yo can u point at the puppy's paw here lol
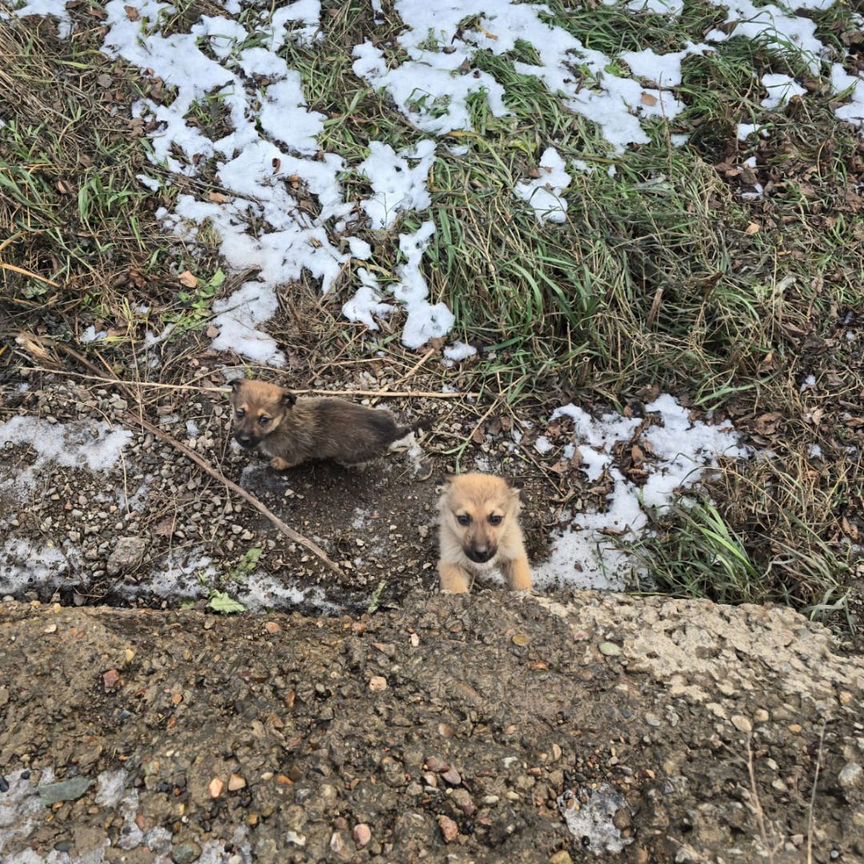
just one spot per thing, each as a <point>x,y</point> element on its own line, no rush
<point>280,464</point>
<point>454,580</point>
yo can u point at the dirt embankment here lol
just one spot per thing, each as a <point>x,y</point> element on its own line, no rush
<point>484,729</point>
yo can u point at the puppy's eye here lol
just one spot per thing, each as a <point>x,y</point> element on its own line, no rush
<point>464,519</point>
<point>239,413</point>
<point>495,519</point>
<point>263,421</point>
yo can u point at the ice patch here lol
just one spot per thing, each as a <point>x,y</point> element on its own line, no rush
<point>781,88</point>
<point>676,453</point>
<point>545,193</point>
<point>90,335</point>
<point>83,444</point>
<point>366,303</point>
<point>396,186</point>
<point>594,818</point>
<point>54,8</point>
<point>425,320</point>
<point>459,351</point>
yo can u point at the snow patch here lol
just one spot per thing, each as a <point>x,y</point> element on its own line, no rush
<point>677,452</point>
<point>546,193</point>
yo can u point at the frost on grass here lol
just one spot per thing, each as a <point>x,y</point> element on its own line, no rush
<point>86,444</point>
<point>545,193</point>
<point>676,452</point>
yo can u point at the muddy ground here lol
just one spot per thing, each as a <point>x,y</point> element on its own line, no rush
<point>377,523</point>
<point>489,729</point>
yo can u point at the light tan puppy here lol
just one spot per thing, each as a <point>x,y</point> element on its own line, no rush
<point>479,531</point>
<point>291,431</point>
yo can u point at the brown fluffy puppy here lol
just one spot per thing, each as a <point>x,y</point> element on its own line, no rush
<point>291,430</point>
<point>478,531</point>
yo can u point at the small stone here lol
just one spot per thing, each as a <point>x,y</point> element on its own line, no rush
<point>795,728</point>
<point>236,783</point>
<point>446,730</point>
<point>216,787</point>
<point>449,829</point>
<point>295,839</point>
<point>609,649</point>
<point>362,834</point>
<point>51,628</point>
<point>110,680</point>
<point>845,697</point>
<point>185,853</point>
<point>415,640</point>
<point>462,799</point>
<point>741,723</point>
<point>127,555</point>
<point>67,790</point>
<point>339,847</point>
<point>377,683</point>
<point>562,857</point>
<point>556,752</point>
<point>652,719</point>
<point>272,628</point>
<point>521,639</point>
<point>851,776</point>
<point>452,777</point>
<point>761,716</point>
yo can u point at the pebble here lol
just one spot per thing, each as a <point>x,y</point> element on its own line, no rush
<point>216,787</point>
<point>652,719</point>
<point>851,776</point>
<point>741,723</point>
<point>452,777</point>
<point>609,649</point>
<point>362,834</point>
<point>67,790</point>
<point>449,829</point>
<point>562,857</point>
<point>377,683</point>
<point>186,853</point>
<point>236,782</point>
<point>272,628</point>
<point>761,716</point>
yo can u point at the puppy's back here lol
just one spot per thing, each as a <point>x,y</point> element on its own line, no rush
<point>352,433</point>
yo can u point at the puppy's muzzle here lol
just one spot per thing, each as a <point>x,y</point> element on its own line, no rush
<point>480,554</point>
<point>244,440</point>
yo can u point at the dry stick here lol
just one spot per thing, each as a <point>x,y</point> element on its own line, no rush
<point>21,271</point>
<point>205,466</point>
<point>155,385</point>
<point>810,819</point>
<point>757,803</point>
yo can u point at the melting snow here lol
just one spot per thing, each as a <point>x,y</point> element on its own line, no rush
<point>545,194</point>
<point>781,88</point>
<point>73,445</point>
<point>678,451</point>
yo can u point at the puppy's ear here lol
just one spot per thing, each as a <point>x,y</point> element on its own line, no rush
<point>288,399</point>
<point>516,485</point>
<point>235,384</point>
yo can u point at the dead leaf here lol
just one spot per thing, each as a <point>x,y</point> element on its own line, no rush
<point>132,13</point>
<point>187,280</point>
<point>753,228</point>
<point>648,99</point>
<point>849,529</point>
<point>104,80</point>
<point>767,423</point>
<point>815,416</point>
<point>218,198</point>
<point>212,331</point>
<point>478,435</point>
<point>637,455</point>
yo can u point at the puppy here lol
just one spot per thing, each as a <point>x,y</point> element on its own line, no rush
<point>291,431</point>
<point>478,531</point>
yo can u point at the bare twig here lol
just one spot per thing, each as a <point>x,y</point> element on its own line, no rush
<point>400,394</point>
<point>810,820</point>
<point>30,275</point>
<point>757,803</point>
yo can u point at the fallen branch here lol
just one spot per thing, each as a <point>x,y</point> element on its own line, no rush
<point>155,385</point>
<point>37,346</point>
<point>250,499</point>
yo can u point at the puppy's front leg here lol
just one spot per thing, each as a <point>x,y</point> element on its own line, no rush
<point>518,573</point>
<point>454,580</point>
<point>281,464</point>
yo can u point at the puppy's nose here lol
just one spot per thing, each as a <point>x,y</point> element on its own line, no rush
<point>480,554</point>
<point>243,440</point>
